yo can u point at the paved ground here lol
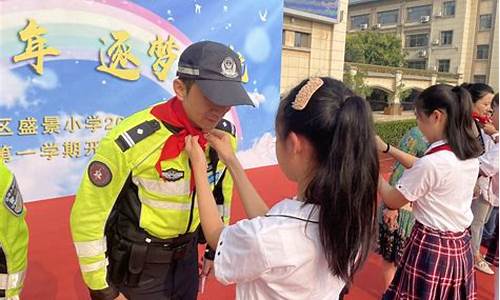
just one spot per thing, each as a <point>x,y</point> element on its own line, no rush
<point>379,116</point>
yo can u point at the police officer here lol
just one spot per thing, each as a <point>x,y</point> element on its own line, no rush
<point>135,221</point>
<point>13,237</point>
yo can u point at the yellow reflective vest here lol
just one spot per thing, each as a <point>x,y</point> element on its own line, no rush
<point>167,207</point>
<point>13,236</point>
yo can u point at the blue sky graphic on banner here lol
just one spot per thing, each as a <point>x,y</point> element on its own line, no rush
<point>104,60</point>
<point>325,8</point>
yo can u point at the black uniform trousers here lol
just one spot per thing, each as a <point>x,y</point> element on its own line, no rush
<point>177,280</point>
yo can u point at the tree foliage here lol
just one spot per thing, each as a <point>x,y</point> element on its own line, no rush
<point>375,48</point>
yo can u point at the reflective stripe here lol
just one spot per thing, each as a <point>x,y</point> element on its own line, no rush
<point>223,210</point>
<point>167,205</point>
<point>128,139</point>
<point>95,266</point>
<point>12,281</point>
<point>187,70</point>
<point>92,248</point>
<point>161,187</point>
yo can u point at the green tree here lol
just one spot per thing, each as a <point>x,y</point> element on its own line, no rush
<point>375,48</point>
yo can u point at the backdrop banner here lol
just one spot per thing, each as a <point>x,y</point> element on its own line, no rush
<point>72,70</point>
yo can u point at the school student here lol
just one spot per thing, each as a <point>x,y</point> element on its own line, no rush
<point>311,245</point>
<point>484,200</point>
<point>438,261</point>
<point>488,164</point>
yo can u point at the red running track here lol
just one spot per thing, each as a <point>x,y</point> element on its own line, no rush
<point>53,268</point>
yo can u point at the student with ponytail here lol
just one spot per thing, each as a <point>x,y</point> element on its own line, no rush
<point>311,245</point>
<point>437,262</point>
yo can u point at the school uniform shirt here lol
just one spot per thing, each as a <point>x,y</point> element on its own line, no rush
<point>278,256</point>
<point>488,184</point>
<point>441,187</point>
<point>488,163</point>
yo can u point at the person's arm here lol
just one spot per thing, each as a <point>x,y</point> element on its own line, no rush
<point>253,204</point>
<point>392,198</point>
<point>13,234</point>
<point>407,160</point>
<point>488,162</point>
<point>100,186</point>
<point>210,219</point>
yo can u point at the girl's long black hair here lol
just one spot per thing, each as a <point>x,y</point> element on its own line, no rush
<point>457,103</point>
<point>339,125</point>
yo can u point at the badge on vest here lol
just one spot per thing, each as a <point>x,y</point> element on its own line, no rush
<point>99,174</point>
<point>172,174</point>
<point>13,199</point>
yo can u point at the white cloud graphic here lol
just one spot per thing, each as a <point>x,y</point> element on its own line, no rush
<point>258,36</point>
<point>41,179</point>
<point>48,81</point>
<point>262,153</point>
<point>13,89</point>
<point>257,98</point>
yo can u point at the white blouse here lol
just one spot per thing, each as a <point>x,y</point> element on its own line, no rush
<point>441,188</point>
<point>488,163</point>
<point>278,256</point>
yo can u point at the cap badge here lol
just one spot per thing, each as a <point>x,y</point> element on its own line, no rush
<point>229,68</point>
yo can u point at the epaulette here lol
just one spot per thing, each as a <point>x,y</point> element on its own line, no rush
<point>133,136</point>
<point>226,126</point>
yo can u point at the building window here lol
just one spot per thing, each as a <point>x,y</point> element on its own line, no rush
<point>414,14</point>
<point>417,40</point>
<point>388,17</point>
<point>446,37</point>
<point>283,38</point>
<point>479,79</point>
<point>302,40</point>
<point>482,51</point>
<point>417,64</point>
<point>485,22</point>
<point>449,8</point>
<point>444,65</point>
<point>359,21</point>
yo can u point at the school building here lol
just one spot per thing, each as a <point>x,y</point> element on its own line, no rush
<point>446,36</point>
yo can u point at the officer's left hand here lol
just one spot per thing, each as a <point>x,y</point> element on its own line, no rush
<point>208,267</point>
<point>195,153</point>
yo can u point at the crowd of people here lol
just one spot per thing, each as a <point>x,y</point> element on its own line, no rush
<point>161,183</point>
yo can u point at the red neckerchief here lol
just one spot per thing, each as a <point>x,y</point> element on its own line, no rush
<point>443,147</point>
<point>484,119</point>
<point>173,113</point>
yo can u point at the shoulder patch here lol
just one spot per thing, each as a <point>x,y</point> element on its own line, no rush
<point>13,199</point>
<point>99,174</point>
<point>133,136</point>
<point>226,126</point>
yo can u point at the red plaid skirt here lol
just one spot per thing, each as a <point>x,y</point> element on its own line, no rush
<point>435,265</point>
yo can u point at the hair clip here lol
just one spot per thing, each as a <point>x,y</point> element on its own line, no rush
<point>306,92</point>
